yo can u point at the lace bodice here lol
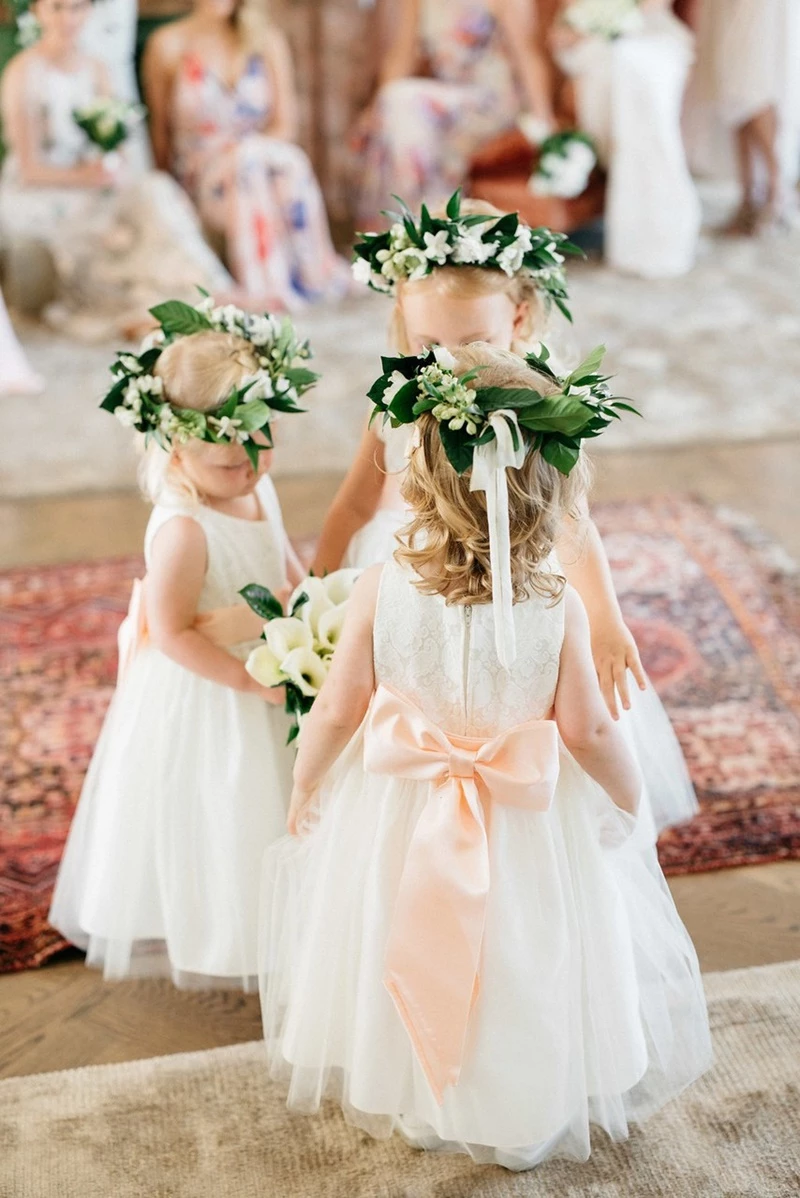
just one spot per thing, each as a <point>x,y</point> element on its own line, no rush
<point>239,551</point>
<point>443,657</point>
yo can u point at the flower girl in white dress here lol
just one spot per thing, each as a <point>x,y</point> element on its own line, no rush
<point>190,778</point>
<point>463,944</point>
<point>481,285</point>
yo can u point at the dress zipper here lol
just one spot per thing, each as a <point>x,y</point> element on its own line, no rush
<point>467,641</point>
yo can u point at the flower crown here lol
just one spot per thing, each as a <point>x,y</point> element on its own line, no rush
<point>137,397</point>
<point>411,250</point>
<point>553,424</point>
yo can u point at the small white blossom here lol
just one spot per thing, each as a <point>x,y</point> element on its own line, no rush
<point>398,238</point>
<point>471,248</point>
<point>437,246</point>
<point>412,264</point>
<point>126,416</point>
<point>362,271</point>
<point>510,259</point>
<point>444,358</point>
<point>205,305</point>
<point>130,363</point>
<point>262,330</point>
<point>227,426</point>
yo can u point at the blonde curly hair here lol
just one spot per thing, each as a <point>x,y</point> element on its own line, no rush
<point>468,282</point>
<point>199,372</point>
<point>446,542</point>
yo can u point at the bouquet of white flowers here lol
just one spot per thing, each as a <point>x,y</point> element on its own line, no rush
<point>608,19</point>
<point>300,642</point>
<point>108,122</point>
<point>566,160</point>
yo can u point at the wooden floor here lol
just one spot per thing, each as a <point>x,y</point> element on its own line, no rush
<point>63,1015</point>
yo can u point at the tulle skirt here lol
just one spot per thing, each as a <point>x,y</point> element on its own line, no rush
<point>590,1010</point>
<point>668,787</point>
<point>188,786</point>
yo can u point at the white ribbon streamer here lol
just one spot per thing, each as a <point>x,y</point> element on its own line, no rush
<point>489,465</point>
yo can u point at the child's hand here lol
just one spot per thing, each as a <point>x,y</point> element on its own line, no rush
<point>614,652</point>
<point>300,808</point>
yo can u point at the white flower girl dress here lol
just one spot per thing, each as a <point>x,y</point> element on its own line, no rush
<point>189,784</point>
<point>485,966</point>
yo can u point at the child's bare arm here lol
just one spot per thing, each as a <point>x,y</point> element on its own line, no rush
<point>585,564</point>
<point>174,581</point>
<point>583,720</point>
<point>342,703</point>
<point>355,503</point>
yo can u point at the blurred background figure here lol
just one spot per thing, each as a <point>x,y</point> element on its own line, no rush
<point>746,98</point>
<point>223,118</point>
<point>116,241</point>
<point>16,376</point>
<point>629,90</point>
<point>458,72</point>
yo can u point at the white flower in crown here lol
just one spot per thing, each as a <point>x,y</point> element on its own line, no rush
<point>510,258</point>
<point>228,427</point>
<point>396,383</point>
<point>437,246</point>
<point>228,318</point>
<point>262,330</point>
<point>399,238</point>
<point>205,305</point>
<point>126,416</point>
<point>390,265</point>
<point>412,264</point>
<point>131,364</point>
<point>148,384</point>
<point>259,386</point>
<point>444,358</point>
<point>471,248</point>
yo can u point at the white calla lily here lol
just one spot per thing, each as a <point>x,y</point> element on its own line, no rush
<point>444,358</point>
<point>264,666</point>
<point>317,602</point>
<point>287,633</point>
<point>331,624</point>
<point>306,670</point>
<point>339,584</point>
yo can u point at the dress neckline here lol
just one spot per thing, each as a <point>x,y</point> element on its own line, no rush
<point>193,59</point>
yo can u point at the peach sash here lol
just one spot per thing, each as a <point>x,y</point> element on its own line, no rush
<point>434,947</point>
<point>223,626</point>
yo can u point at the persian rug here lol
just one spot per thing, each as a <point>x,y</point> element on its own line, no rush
<point>211,1125</point>
<point>713,604</point>
<point>675,355</point>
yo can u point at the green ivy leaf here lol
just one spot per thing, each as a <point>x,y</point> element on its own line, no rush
<point>402,405</point>
<point>254,415</point>
<point>454,205</point>
<point>179,319</point>
<point>114,397</point>
<point>563,457</point>
<point>588,366</point>
<point>458,448</point>
<point>252,450</point>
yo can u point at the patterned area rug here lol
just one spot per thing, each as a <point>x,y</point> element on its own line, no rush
<point>212,1125</point>
<point>713,604</point>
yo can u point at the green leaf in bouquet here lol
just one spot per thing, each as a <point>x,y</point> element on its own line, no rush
<point>589,365</point>
<point>262,601</point>
<point>301,600</point>
<point>454,205</point>
<point>253,415</point>
<point>402,405</point>
<point>300,377</point>
<point>114,397</point>
<point>459,449</point>
<point>560,454</point>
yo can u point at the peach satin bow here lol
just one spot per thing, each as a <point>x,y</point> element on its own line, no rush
<point>434,947</point>
<point>223,626</point>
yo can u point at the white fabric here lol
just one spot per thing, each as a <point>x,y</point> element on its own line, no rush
<point>590,1007</point>
<point>189,783</point>
<point>748,59</point>
<point>110,35</point>
<point>629,96</point>
<point>16,376</point>
<point>489,465</point>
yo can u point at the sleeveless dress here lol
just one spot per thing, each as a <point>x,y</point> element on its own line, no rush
<point>629,96</point>
<point>116,252</point>
<point>189,783</point>
<point>419,136</point>
<point>258,192</point>
<point>588,1005</point>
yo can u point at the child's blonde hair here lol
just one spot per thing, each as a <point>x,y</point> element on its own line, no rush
<point>447,540</point>
<point>467,282</point>
<point>199,372</point>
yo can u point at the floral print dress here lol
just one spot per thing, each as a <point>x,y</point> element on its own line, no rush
<point>421,133</point>
<point>258,192</point>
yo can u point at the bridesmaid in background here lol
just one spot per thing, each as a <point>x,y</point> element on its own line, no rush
<point>16,376</point>
<point>483,69</point>
<point>220,89</point>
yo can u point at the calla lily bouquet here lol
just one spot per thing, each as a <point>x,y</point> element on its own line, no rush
<point>299,642</point>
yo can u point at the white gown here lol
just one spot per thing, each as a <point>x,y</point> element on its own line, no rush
<point>189,783</point>
<point>670,794</point>
<point>629,95</point>
<point>116,251</point>
<point>590,1006</point>
<point>16,376</point>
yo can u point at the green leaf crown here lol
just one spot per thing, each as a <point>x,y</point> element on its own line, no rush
<point>555,425</point>
<point>137,396</point>
<point>411,249</point>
